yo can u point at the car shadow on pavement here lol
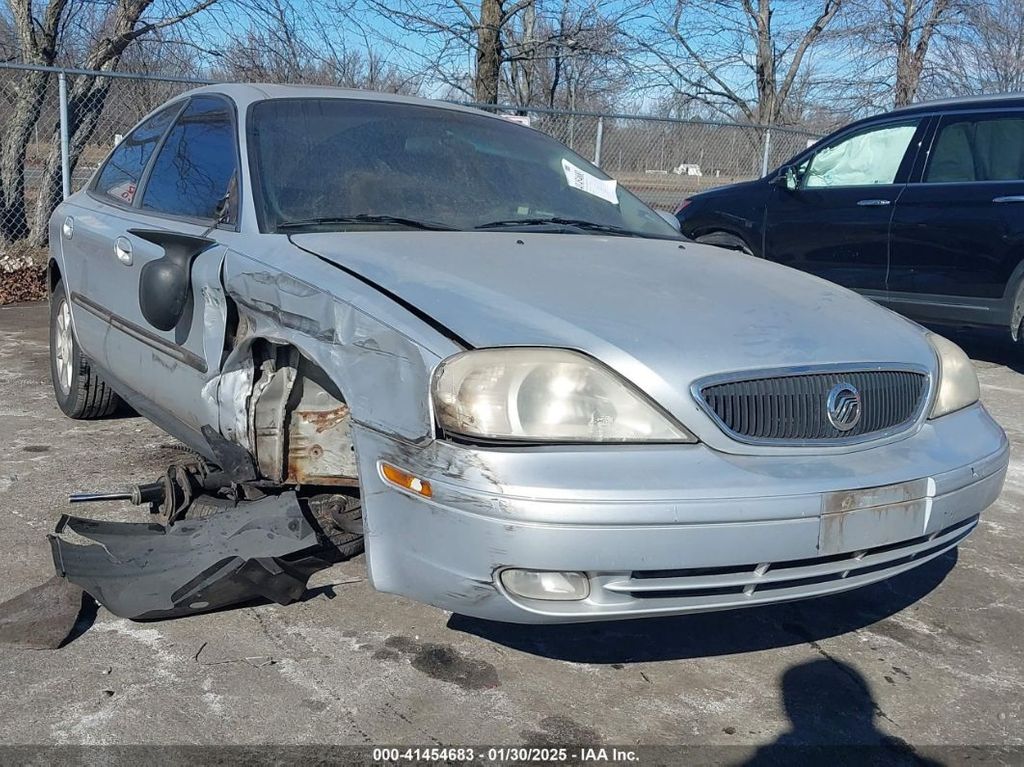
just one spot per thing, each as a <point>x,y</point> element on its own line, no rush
<point>718,633</point>
<point>833,720</point>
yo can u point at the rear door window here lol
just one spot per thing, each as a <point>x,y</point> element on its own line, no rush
<point>977,148</point>
<point>194,173</point>
<point>123,170</point>
<point>870,157</point>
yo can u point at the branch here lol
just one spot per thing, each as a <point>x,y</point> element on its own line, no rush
<point>828,12</point>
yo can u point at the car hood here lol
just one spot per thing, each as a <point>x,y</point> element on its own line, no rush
<point>660,312</point>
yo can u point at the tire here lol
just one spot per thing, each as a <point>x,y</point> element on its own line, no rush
<point>340,519</point>
<point>80,392</point>
<point>725,240</point>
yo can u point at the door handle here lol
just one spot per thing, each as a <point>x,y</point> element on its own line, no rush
<point>873,203</point>
<point>1010,198</point>
<point>123,250</point>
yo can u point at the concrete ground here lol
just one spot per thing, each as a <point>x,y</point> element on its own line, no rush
<point>933,657</point>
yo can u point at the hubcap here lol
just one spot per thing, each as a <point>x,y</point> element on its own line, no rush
<point>64,347</point>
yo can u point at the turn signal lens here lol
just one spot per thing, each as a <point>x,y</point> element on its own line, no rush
<point>405,480</point>
<point>537,584</point>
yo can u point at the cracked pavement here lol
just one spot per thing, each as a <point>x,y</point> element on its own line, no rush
<point>935,656</point>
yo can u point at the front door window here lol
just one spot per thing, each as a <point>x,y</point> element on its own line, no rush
<point>868,158</point>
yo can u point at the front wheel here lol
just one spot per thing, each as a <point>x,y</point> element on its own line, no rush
<point>79,391</point>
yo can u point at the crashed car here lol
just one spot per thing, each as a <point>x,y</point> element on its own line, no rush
<point>544,403</point>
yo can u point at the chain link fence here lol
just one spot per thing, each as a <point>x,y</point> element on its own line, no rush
<point>44,157</point>
<point>664,160</point>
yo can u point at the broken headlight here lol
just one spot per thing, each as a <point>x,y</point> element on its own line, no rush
<point>545,395</point>
<point>958,382</point>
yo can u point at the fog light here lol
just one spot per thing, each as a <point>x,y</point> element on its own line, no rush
<point>537,584</point>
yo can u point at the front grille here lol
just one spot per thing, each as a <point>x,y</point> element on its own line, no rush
<point>793,408</point>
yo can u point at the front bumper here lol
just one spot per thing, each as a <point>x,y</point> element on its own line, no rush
<point>671,529</point>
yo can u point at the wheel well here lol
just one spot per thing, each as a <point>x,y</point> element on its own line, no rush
<point>1014,296</point>
<point>300,423</point>
<point>724,239</point>
<point>52,275</point>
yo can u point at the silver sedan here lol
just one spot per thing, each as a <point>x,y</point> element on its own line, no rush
<point>419,328</point>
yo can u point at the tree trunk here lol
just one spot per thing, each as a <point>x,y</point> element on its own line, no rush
<point>28,103</point>
<point>907,74</point>
<point>767,108</point>
<point>908,77</point>
<point>86,99</point>
<point>488,52</point>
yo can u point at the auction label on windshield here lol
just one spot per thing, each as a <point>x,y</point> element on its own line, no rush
<point>579,179</point>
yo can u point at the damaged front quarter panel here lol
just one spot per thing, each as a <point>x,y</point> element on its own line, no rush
<point>265,548</point>
<point>380,367</point>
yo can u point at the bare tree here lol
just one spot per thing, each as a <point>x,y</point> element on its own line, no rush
<point>988,55</point>
<point>572,60</point>
<point>124,23</point>
<point>458,28</point>
<point>898,38</point>
<point>36,40</point>
<point>284,44</point>
<point>742,59</point>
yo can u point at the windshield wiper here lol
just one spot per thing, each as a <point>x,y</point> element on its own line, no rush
<point>577,223</point>
<point>367,218</point>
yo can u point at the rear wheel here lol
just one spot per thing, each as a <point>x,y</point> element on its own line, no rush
<point>79,391</point>
<point>725,240</point>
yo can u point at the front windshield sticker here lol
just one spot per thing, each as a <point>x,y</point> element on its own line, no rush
<point>580,179</point>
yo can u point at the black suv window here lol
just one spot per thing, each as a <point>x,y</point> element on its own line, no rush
<point>121,173</point>
<point>194,172</point>
<point>978,148</point>
<point>868,157</point>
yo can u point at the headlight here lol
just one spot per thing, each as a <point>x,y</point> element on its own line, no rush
<point>958,382</point>
<point>544,395</point>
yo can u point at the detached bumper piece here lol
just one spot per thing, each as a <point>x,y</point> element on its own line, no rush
<point>259,549</point>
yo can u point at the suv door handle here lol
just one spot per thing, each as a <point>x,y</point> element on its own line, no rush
<point>123,250</point>
<point>873,203</point>
<point>1010,198</point>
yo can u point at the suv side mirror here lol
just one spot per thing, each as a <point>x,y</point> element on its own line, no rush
<point>786,178</point>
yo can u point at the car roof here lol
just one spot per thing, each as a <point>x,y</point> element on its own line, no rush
<point>244,94</point>
<point>995,101</point>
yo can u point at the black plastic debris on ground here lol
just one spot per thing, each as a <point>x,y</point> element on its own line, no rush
<point>260,549</point>
<point>44,617</point>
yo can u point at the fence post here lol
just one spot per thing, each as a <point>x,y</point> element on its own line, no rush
<point>65,150</point>
<point>598,141</point>
<point>767,150</point>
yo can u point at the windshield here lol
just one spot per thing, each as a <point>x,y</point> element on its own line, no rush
<point>341,164</point>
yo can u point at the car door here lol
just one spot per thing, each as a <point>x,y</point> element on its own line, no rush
<point>91,227</point>
<point>958,230</point>
<point>832,217</point>
<point>181,207</point>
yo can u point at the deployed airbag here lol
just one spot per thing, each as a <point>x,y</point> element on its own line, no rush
<point>259,549</point>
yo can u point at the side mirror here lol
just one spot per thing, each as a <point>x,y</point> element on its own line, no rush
<point>165,284</point>
<point>669,218</point>
<point>786,178</point>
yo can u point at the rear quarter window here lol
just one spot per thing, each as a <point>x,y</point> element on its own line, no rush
<point>120,176</point>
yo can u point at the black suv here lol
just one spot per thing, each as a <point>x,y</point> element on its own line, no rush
<point>921,209</point>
